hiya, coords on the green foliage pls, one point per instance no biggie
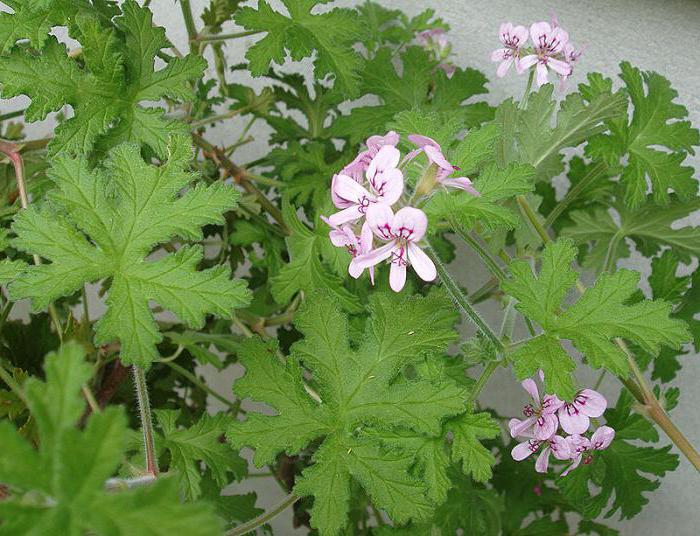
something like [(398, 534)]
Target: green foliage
[(123, 229), (105, 89), (410, 90), (590, 323), (330, 35), (624, 471), (203, 441), (59, 488), (361, 387), (656, 123)]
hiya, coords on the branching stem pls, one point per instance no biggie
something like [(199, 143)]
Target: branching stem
[(263, 518)]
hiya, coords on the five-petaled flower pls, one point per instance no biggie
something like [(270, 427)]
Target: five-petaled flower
[(514, 39), (541, 420), (385, 186), (344, 236), (549, 42), (574, 416), (401, 232), (555, 444)]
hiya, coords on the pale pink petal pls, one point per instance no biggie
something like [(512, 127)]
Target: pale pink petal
[(421, 263), (397, 276), (346, 188), (524, 449), (345, 216), (502, 69), (423, 141), (531, 387), (435, 155), (542, 462), (559, 37), (388, 186), (545, 426), (520, 33), (540, 373), (380, 218), (504, 31), (560, 67), (577, 461), (377, 142), (338, 201), (386, 158), (541, 74), (373, 257), (539, 31), (577, 444), (409, 223), (366, 238), (463, 183), (527, 61), (343, 237), (518, 427), (501, 54), (591, 402), (602, 437), (572, 420), (354, 269), (551, 403), (560, 448), (410, 156)]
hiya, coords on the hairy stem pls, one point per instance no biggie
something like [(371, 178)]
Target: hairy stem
[(263, 518), (224, 37), (146, 419), (234, 406), (461, 300), (189, 24), (593, 174), (488, 259), (528, 88), (12, 152)]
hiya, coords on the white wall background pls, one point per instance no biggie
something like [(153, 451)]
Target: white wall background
[(654, 35)]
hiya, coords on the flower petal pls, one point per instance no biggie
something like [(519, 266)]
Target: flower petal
[(545, 426), (541, 74), (591, 402), (602, 437), (397, 276), (346, 188), (422, 264), (380, 218), (423, 141), (463, 183), (388, 185), (560, 448), (343, 237), (531, 387), (502, 69), (373, 257), (524, 449), (558, 66), (559, 37), (520, 33), (377, 142), (501, 54), (435, 155), (527, 61), (366, 237), (539, 31), (345, 216), (577, 461), (410, 223), (572, 420), (386, 158), (542, 462), (518, 427)]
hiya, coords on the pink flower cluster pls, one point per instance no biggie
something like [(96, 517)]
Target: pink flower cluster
[(542, 421), (365, 191), (435, 41), (550, 49)]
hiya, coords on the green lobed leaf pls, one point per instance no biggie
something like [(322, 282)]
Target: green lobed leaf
[(148, 209)]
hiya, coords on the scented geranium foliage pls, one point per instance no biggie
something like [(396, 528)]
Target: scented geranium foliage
[(323, 261)]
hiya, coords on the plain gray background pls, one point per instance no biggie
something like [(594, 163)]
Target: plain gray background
[(653, 35)]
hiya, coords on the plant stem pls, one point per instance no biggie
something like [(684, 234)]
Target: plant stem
[(12, 152), (234, 406), (90, 398), (224, 37), (189, 24), (12, 115), (461, 300), (481, 381), (146, 419), (488, 259), (593, 174), (528, 88), (531, 217), (213, 119), (263, 518)]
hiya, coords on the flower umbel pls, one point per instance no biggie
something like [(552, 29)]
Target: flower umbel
[(541, 419)]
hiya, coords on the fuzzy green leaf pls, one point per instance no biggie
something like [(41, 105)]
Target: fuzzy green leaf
[(59, 488), (149, 209), (655, 141), (597, 317), (467, 430), (361, 389), (105, 93), (331, 34)]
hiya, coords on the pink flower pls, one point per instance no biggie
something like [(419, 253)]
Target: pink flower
[(579, 445), (433, 152), (513, 39), (385, 182), (448, 68), (541, 420), (402, 232), (574, 416), (434, 39), (357, 168), (555, 444), (549, 42), (344, 236)]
